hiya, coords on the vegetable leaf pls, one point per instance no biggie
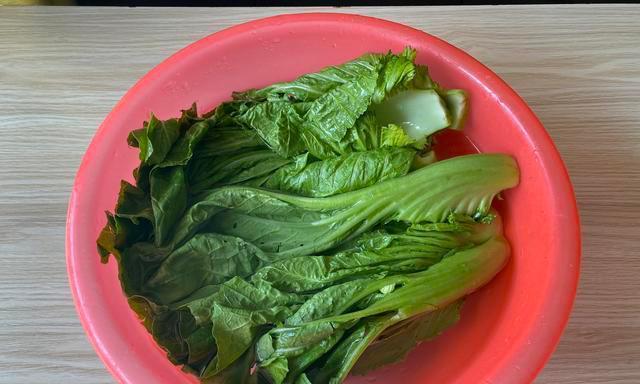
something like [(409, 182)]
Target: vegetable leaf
[(394, 344), (321, 223), (343, 173), (306, 229)]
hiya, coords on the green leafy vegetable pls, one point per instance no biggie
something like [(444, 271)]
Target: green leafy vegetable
[(341, 359), (445, 282), (458, 105), (396, 341), (306, 230), (320, 113), (419, 112), (342, 173), (286, 225), (206, 259)]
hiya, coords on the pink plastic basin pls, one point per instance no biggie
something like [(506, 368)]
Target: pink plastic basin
[(508, 329)]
